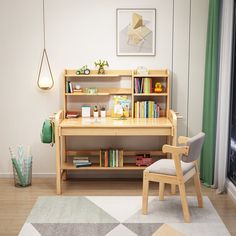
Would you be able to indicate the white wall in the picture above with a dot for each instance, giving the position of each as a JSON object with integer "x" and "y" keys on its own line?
{"x": 80, "y": 32}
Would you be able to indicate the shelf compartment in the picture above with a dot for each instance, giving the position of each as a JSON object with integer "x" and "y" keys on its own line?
{"x": 151, "y": 94}
{"x": 126, "y": 152}
{"x": 94, "y": 74}
{"x": 104, "y": 92}
{"x": 70, "y": 166}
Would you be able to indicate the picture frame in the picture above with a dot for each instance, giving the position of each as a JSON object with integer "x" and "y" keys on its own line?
{"x": 136, "y": 31}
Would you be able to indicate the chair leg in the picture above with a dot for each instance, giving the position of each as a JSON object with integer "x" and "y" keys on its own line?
{"x": 173, "y": 189}
{"x": 161, "y": 190}
{"x": 184, "y": 202}
{"x": 145, "y": 193}
{"x": 198, "y": 190}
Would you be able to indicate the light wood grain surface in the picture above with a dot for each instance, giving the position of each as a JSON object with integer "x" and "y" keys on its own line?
{"x": 111, "y": 122}
{"x": 16, "y": 203}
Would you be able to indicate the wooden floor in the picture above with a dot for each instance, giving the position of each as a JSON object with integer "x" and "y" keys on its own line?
{"x": 16, "y": 203}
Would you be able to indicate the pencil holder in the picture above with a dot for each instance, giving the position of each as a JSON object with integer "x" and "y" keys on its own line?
{"x": 22, "y": 166}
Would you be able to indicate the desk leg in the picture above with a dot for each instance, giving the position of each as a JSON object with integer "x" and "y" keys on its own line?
{"x": 63, "y": 155}
{"x": 58, "y": 160}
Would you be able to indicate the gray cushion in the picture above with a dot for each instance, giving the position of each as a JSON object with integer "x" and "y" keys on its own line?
{"x": 167, "y": 167}
{"x": 195, "y": 146}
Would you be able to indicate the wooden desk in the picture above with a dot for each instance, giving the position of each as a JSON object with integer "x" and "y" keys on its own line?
{"x": 164, "y": 126}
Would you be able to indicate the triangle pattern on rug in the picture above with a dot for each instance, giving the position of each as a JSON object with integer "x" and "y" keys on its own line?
{"x": 74, "y": 229}
{"x": 119, "y": 207}
{"x": 28, "y": 229}
{"x": 143, "y": 229}
{"x": 166, "y": 229}
{"x": 121, "y": 230}
{"x": 68, "y": 210}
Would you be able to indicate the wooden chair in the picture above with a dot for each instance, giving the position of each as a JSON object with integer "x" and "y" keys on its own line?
{"x": 177, "y": 170}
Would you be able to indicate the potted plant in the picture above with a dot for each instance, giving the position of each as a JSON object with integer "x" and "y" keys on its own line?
{"x": 103, "y": 112}
{"x": 95, "y": 112}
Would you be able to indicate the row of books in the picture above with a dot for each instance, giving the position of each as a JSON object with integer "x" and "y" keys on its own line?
{"x": 81, "y": 161}
{"x": 72, "y": 89}
{"x": 146, "y": 109}
{"x": 111, "y": 158}
{"x": 143, "y": 85}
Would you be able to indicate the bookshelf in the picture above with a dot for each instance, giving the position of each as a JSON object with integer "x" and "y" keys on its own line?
{"x": 108, "y": 85}
{"x": 146, "y": 103}
{"x": 115, "y": 78}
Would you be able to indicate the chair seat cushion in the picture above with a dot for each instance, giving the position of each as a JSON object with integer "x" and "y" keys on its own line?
{"x": 167, "y": 167}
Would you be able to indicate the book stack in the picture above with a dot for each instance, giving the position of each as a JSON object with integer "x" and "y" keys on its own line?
{"x": 81, "y": 161}
{"x": 72, "y": 114}
{"x": 143, "y": 85}
{"x": 69, "y": 87}
{"x": 146, "y": 109}
{"x": 111, "y": 158}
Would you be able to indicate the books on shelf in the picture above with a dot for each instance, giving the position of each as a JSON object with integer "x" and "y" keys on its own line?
{"x": 81, "y": 161}
{"x": 143, "y": 85}
{"x": 146, "y": 109}
{"x": 72, "y": 114}
{"x": 69, "y": 87}
{"x": 111, "y": 158}
{"x": 121, "y": 105}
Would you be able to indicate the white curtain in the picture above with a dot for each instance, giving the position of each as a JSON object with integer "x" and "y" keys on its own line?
{"x": 223, "y": 95}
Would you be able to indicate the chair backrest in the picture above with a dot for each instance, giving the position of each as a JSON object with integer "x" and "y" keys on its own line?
{"x": 195, "y": 146}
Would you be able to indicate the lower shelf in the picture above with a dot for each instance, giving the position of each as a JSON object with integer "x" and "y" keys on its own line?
{"x": 70, "y": 166}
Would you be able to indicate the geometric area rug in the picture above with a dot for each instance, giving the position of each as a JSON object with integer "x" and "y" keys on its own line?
{"x": 119, "y": 216}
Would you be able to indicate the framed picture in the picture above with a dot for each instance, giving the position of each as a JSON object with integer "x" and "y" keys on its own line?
{"x": 136, "y": 31}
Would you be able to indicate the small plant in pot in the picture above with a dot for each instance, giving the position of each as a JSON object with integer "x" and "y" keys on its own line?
{"x": 103, "y": 112}
{"x": 95, "y": 112}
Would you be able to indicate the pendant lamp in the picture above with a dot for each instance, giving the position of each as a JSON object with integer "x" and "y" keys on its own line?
{"x": 45, "y": 82}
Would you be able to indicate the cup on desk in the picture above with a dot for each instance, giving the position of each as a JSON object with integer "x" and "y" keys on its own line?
{"x": 103, "y": 114}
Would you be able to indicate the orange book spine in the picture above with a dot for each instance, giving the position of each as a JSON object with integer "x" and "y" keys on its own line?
{"x": 106, "y": 158}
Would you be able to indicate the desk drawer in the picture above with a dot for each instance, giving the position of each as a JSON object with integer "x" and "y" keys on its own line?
{"x": 116, "y": 131}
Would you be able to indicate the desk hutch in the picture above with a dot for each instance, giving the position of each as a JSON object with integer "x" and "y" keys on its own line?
{"x": 108, "y": 85}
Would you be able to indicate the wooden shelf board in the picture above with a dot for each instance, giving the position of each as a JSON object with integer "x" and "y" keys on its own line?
{"x": 94, "y": 74}
{"x": 161, "y": 75}
{"x": 87, "y": 94}
{"x": 127, "y": 153}
{"x": 150, "y": 94}
{"x": 70, "y": 166}
{"x": 97, "y": 94}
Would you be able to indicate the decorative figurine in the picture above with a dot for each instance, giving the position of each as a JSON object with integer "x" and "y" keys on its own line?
{"x": 158, "y": 87}
{"x": 84, "y": 70}
{"x": 101, "y": 65}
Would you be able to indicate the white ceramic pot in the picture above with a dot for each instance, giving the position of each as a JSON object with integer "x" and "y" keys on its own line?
{"x": 95, "y": 114}
{"x": 103, "y": 114}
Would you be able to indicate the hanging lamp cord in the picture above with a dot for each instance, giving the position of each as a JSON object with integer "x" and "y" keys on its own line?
{"x": 44, "y": 53}
{"x": 44, "y": 32}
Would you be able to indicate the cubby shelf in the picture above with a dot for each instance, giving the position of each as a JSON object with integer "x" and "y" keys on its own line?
{"x": 70, "y": 166}
{"x": 150, "y": 94}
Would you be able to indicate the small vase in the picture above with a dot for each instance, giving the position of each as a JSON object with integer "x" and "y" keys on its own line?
{"x": 103, "y": 114}
{"x": 95, "y": 114}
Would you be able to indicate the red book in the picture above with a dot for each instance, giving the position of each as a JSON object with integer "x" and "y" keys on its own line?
{"x": 106, "y": 158}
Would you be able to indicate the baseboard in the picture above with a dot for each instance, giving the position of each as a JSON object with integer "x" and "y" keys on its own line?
{"x": 231, "y": 190}
{"x": 35, "y": 175}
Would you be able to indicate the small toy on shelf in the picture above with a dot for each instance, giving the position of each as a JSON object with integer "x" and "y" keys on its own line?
{"x": 77, "y": 89}
{"x": 158, "y": 88}
{"x": 84, "y": 70}
{"x": 141, "y": 70}
{"x": 101, "y": 64}
{"x": 143, "y": 160}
